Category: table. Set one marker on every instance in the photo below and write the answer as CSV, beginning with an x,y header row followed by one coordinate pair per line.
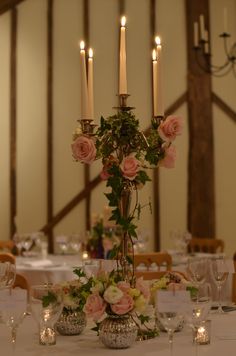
x,y
61,268
223,342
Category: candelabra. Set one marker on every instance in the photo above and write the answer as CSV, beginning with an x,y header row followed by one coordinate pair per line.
x,y
204,57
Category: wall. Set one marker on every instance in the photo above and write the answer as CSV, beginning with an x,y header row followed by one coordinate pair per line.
x,y
31,109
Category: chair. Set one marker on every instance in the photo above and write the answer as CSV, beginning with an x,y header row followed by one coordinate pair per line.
x,y
21,282
7,257
234,281
7,245
150,275
159,259
198,244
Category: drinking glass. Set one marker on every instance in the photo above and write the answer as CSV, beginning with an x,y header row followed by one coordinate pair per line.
x,y
75,243
197,270
168,315
13,307
7,274
220,275
46,306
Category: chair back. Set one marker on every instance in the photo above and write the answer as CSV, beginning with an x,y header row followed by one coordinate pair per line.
x,y
150,275
7,245
7,257
197,244
21,282
153,261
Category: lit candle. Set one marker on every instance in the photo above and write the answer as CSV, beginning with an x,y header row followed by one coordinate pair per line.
x,y
195,34
90,84
160,108
84,89
154,81
122,73
225,28
202,27
85,255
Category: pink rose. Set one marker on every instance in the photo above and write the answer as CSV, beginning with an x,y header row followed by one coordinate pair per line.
x,y
124,286
83,149
143,286
170,156
170,128
104,173
124,305
130,167
95,306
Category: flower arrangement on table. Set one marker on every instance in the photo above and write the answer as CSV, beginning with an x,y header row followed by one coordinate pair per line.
x,y
108,294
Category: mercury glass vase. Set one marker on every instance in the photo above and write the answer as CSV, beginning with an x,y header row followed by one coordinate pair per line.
x,y
71,323
118,331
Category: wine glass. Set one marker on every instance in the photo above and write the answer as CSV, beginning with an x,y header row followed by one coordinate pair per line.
x,y
168,315
63,243
197,270
220,274
7,274
75,243
46,306
198,308
13,307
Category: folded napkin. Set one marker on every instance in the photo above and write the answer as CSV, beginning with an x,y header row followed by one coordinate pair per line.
x,y
38,263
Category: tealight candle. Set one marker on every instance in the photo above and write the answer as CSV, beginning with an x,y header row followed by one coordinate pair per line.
x,y
202,335
85,255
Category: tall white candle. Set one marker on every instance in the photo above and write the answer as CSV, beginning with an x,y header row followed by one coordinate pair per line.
x,y
122,72
202,27
160,107
225,27
195,34
90,84
154,81
84,87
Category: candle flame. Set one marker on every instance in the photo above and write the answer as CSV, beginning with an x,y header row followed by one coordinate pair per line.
x,y
123,21
157,40
90,53
154,55
82,45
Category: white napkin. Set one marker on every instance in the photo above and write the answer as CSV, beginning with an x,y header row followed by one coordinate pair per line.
x,y
38,263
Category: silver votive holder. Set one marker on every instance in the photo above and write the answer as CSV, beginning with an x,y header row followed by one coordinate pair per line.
x,y
47,336
202,333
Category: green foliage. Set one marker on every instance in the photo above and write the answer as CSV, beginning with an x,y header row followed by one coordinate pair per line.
x,y
48,299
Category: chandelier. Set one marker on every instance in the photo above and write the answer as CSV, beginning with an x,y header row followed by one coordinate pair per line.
x,y
203,53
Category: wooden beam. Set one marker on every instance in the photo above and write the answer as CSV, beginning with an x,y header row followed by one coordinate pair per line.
x,y
13,118
201,184
224,107
50,120
6,5
71,205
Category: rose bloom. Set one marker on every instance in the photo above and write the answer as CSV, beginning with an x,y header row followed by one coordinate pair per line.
x,y
112,294
140,304
143,286
124,286
170,156
95,306
170,128
130,167
104,173
124,305
83,149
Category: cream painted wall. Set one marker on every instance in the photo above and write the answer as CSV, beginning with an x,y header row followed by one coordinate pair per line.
x,y
68,175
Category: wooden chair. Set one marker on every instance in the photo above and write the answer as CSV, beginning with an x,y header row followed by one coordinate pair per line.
x,y
160,259
234,281
197,244
7,257
150,275
21,282
7,245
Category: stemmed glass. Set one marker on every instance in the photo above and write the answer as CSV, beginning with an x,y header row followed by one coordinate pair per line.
x,y
198,308
46,306
170,317
7,274
220,275
13,306
75,243
197,270
63,243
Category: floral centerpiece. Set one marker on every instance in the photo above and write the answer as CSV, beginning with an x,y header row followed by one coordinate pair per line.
x,y
127,154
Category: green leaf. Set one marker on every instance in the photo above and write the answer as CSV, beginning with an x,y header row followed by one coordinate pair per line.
x,y
49,299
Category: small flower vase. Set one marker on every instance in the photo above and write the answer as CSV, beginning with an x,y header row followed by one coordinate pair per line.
x,y
71,323
118,331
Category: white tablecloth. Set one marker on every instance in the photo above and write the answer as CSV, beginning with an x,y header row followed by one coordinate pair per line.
x,y
223,342
60,269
